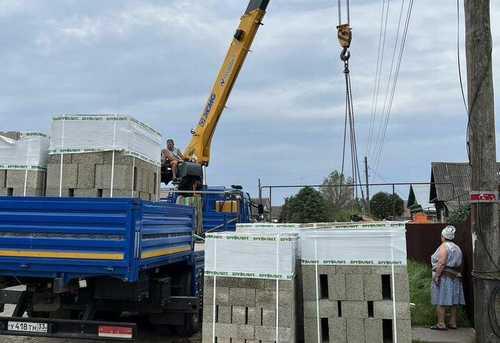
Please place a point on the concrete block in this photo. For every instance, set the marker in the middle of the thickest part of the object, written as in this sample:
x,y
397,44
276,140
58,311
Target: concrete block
x,y
354,309
15,178
239,315
222,296
309,289
53,171
354,287
3,178
223,313
123,178
337,286
253,316
327,309
265,298
388,270
268,317
249,283
338,330
355,269
56,159
242,296
402,290
310,330
286,318
245,331
103,176
355,331
384,310
286,297
92,158
372,284
70,175
263,333
373,331
86,176
404,331
19,192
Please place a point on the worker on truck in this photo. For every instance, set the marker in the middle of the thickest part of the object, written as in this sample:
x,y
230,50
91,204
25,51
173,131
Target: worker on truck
x,y
172,156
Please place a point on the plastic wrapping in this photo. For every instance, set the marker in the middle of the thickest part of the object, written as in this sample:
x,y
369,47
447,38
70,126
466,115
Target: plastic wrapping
x,y
355,246
250,255
73,134
30,152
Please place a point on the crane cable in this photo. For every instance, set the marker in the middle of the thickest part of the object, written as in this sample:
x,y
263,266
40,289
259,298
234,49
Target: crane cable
x,y
344,34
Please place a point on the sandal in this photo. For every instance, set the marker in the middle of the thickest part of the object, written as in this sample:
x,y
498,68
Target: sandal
x,y
438,328
452,327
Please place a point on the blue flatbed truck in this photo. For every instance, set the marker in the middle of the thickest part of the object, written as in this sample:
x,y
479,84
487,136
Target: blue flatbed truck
x,y
86,262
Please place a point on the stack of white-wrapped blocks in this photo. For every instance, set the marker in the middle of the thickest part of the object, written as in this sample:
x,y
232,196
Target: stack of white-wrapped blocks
x,y
249,288
355,284
352,286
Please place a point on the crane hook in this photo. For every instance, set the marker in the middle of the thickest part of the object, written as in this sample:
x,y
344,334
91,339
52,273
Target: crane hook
x,y
345,55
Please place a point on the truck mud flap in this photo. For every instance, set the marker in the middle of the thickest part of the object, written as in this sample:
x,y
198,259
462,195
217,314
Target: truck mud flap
x,y
62,328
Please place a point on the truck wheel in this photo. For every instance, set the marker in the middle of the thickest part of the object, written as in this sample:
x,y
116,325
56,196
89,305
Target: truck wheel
x,y
191,325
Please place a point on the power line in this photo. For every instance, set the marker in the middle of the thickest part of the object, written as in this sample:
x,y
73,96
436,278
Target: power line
x,y
395,81
380,61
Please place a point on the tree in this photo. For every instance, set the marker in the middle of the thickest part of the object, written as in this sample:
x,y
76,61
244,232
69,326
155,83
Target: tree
x,y
340,200
385,205
412,203
306,207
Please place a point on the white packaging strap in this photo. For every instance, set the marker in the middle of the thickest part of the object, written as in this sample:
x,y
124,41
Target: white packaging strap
x,y
112,186
394,315
277,285
61,168
132,182
215,294
317,291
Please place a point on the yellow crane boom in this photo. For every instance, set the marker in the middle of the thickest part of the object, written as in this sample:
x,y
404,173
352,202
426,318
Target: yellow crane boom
x,y
198,149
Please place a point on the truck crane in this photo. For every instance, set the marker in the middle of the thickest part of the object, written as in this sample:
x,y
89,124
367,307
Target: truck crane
x,y
197,153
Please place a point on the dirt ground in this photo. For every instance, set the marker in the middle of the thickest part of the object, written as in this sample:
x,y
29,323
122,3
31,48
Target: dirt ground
x,y
146,335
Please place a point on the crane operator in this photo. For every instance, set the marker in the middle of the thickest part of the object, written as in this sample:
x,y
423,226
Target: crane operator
x,y
172,156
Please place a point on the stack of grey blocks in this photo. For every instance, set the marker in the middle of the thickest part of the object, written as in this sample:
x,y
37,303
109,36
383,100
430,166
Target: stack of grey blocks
x,y
245,310
354,304
89,175
12,182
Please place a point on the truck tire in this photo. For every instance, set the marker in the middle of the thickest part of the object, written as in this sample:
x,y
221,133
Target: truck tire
x,y
192,325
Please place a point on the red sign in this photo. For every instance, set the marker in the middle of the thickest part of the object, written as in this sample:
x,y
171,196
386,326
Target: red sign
x,y
483,197
115,332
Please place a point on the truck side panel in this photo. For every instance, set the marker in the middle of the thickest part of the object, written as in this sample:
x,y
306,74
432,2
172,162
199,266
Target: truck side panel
x,y
166,235
65,238
72,238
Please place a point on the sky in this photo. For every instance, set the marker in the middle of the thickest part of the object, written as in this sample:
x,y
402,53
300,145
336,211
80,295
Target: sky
x,y
156,61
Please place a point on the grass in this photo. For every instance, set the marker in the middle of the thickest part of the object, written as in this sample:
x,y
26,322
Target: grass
x,y
423,313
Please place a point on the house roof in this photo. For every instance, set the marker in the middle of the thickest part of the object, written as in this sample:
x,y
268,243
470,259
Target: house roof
x,y
450,183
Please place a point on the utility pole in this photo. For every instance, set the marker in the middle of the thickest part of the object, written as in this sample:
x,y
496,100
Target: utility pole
x,y
484,197
367,187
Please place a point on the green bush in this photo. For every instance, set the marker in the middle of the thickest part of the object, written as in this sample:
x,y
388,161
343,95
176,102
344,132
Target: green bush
x,y
423,313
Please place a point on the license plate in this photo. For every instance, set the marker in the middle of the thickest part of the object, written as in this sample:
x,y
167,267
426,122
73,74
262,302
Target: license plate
x,y
28,327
